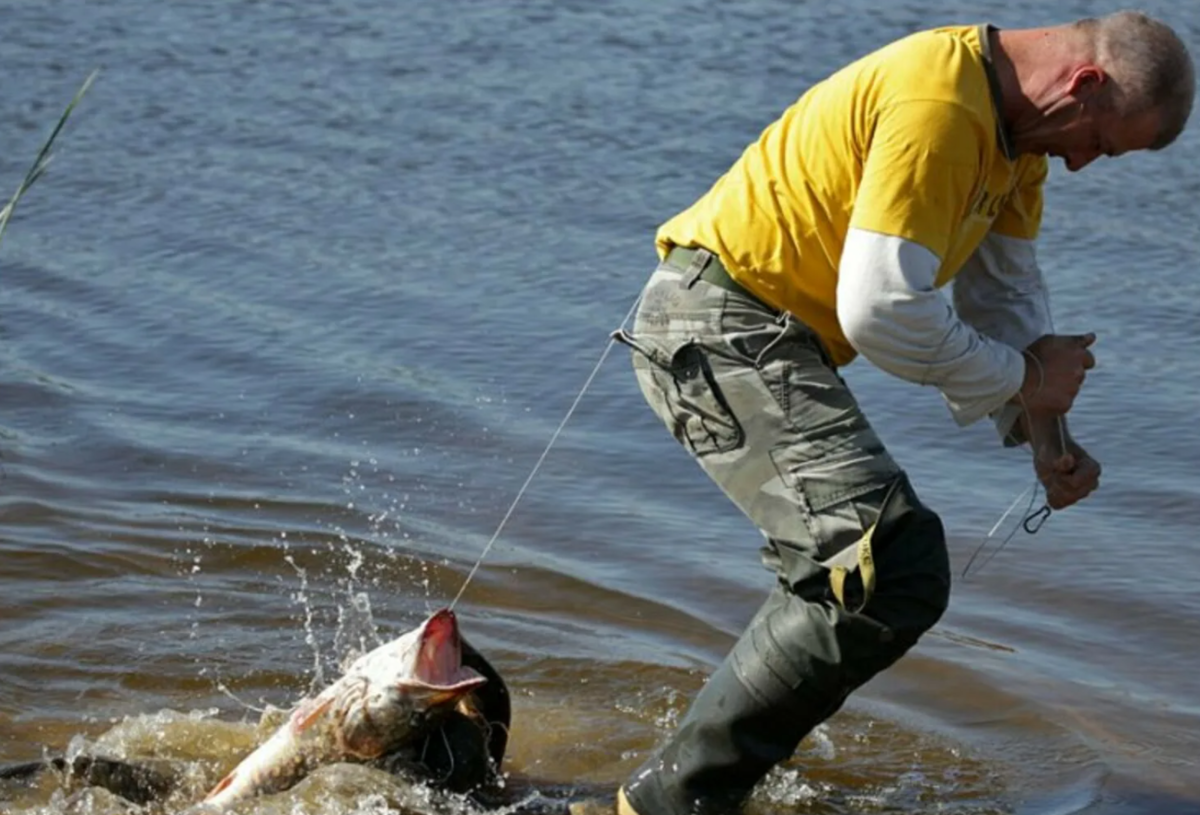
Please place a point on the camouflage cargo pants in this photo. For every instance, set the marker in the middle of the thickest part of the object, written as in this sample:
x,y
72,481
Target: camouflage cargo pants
x,y
753,396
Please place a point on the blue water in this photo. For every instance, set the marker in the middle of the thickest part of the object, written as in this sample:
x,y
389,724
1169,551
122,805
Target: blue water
x,y
308,288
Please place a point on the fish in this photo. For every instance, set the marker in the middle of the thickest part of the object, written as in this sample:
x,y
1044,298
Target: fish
x,y
390,697
426,707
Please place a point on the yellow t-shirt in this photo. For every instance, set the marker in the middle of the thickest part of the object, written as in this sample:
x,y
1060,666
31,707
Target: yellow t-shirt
x,y
904,142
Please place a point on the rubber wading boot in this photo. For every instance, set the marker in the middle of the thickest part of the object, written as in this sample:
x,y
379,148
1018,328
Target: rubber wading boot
x,y
602,806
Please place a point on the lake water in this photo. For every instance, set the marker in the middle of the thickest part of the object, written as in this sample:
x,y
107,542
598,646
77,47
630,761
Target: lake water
x,y
306,292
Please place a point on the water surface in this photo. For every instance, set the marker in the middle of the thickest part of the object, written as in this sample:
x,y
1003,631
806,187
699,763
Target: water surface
x,y
309,287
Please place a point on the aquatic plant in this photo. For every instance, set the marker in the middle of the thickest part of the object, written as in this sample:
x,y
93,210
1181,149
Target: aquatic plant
x,y
43,157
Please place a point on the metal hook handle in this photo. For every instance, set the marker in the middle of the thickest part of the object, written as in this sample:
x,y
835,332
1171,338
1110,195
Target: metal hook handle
x,y
1040,517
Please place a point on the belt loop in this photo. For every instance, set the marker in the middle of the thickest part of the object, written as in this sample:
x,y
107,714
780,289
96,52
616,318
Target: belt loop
x,y
699,261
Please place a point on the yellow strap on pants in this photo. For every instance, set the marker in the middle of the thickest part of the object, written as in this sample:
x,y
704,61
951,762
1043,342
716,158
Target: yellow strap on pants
x,y
865,561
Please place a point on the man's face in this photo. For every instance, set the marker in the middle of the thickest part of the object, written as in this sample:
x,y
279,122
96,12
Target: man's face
x,y
1076,122
1091,134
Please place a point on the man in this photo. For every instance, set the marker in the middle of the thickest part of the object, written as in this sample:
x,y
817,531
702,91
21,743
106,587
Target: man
x,y
831,237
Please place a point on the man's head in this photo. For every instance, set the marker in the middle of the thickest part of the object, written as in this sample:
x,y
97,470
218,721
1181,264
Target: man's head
x,y
1101,86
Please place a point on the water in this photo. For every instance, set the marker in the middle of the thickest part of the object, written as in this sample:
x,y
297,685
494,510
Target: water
x,y
309,286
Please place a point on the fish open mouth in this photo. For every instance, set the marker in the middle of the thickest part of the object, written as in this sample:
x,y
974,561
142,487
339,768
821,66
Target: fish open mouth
x,y
439,658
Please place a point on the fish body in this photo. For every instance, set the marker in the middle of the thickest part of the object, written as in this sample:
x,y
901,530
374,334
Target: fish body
x,y
387,698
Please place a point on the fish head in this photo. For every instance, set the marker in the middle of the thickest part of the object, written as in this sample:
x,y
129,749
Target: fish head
x,y
397,692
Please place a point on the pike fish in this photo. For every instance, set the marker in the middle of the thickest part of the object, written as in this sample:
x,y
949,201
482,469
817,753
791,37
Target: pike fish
x,y
386,699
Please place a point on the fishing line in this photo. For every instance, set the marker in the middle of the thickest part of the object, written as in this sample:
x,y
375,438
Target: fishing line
x,y
537,466
1040,515
1029,513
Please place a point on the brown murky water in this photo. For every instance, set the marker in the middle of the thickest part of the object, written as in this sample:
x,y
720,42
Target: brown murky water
x,y
306,292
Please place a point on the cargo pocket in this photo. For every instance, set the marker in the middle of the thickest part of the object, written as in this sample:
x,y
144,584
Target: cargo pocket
x,y
841,498
678,382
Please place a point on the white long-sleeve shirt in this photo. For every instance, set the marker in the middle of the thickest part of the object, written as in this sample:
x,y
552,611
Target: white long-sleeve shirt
x,y
969,347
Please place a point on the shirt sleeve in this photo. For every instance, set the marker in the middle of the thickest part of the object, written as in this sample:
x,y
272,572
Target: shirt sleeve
x,y
1000,292
892,313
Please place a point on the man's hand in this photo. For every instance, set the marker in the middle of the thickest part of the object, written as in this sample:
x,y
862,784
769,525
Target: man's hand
x,y
1068,477
1055,367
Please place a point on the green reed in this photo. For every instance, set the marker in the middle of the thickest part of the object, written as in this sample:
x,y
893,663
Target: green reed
x,y
43,157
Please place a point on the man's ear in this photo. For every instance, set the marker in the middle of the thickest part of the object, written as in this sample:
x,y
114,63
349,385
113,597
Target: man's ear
x,y
1086,81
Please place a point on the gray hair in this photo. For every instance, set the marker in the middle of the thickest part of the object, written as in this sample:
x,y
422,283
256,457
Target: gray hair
x,y
1150,68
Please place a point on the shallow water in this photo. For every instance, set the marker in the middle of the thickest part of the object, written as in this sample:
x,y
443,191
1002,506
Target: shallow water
x,y
306,292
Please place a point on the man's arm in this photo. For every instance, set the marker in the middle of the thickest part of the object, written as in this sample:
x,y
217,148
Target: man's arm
x,y
919,175
920,172
894,315
1000,291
